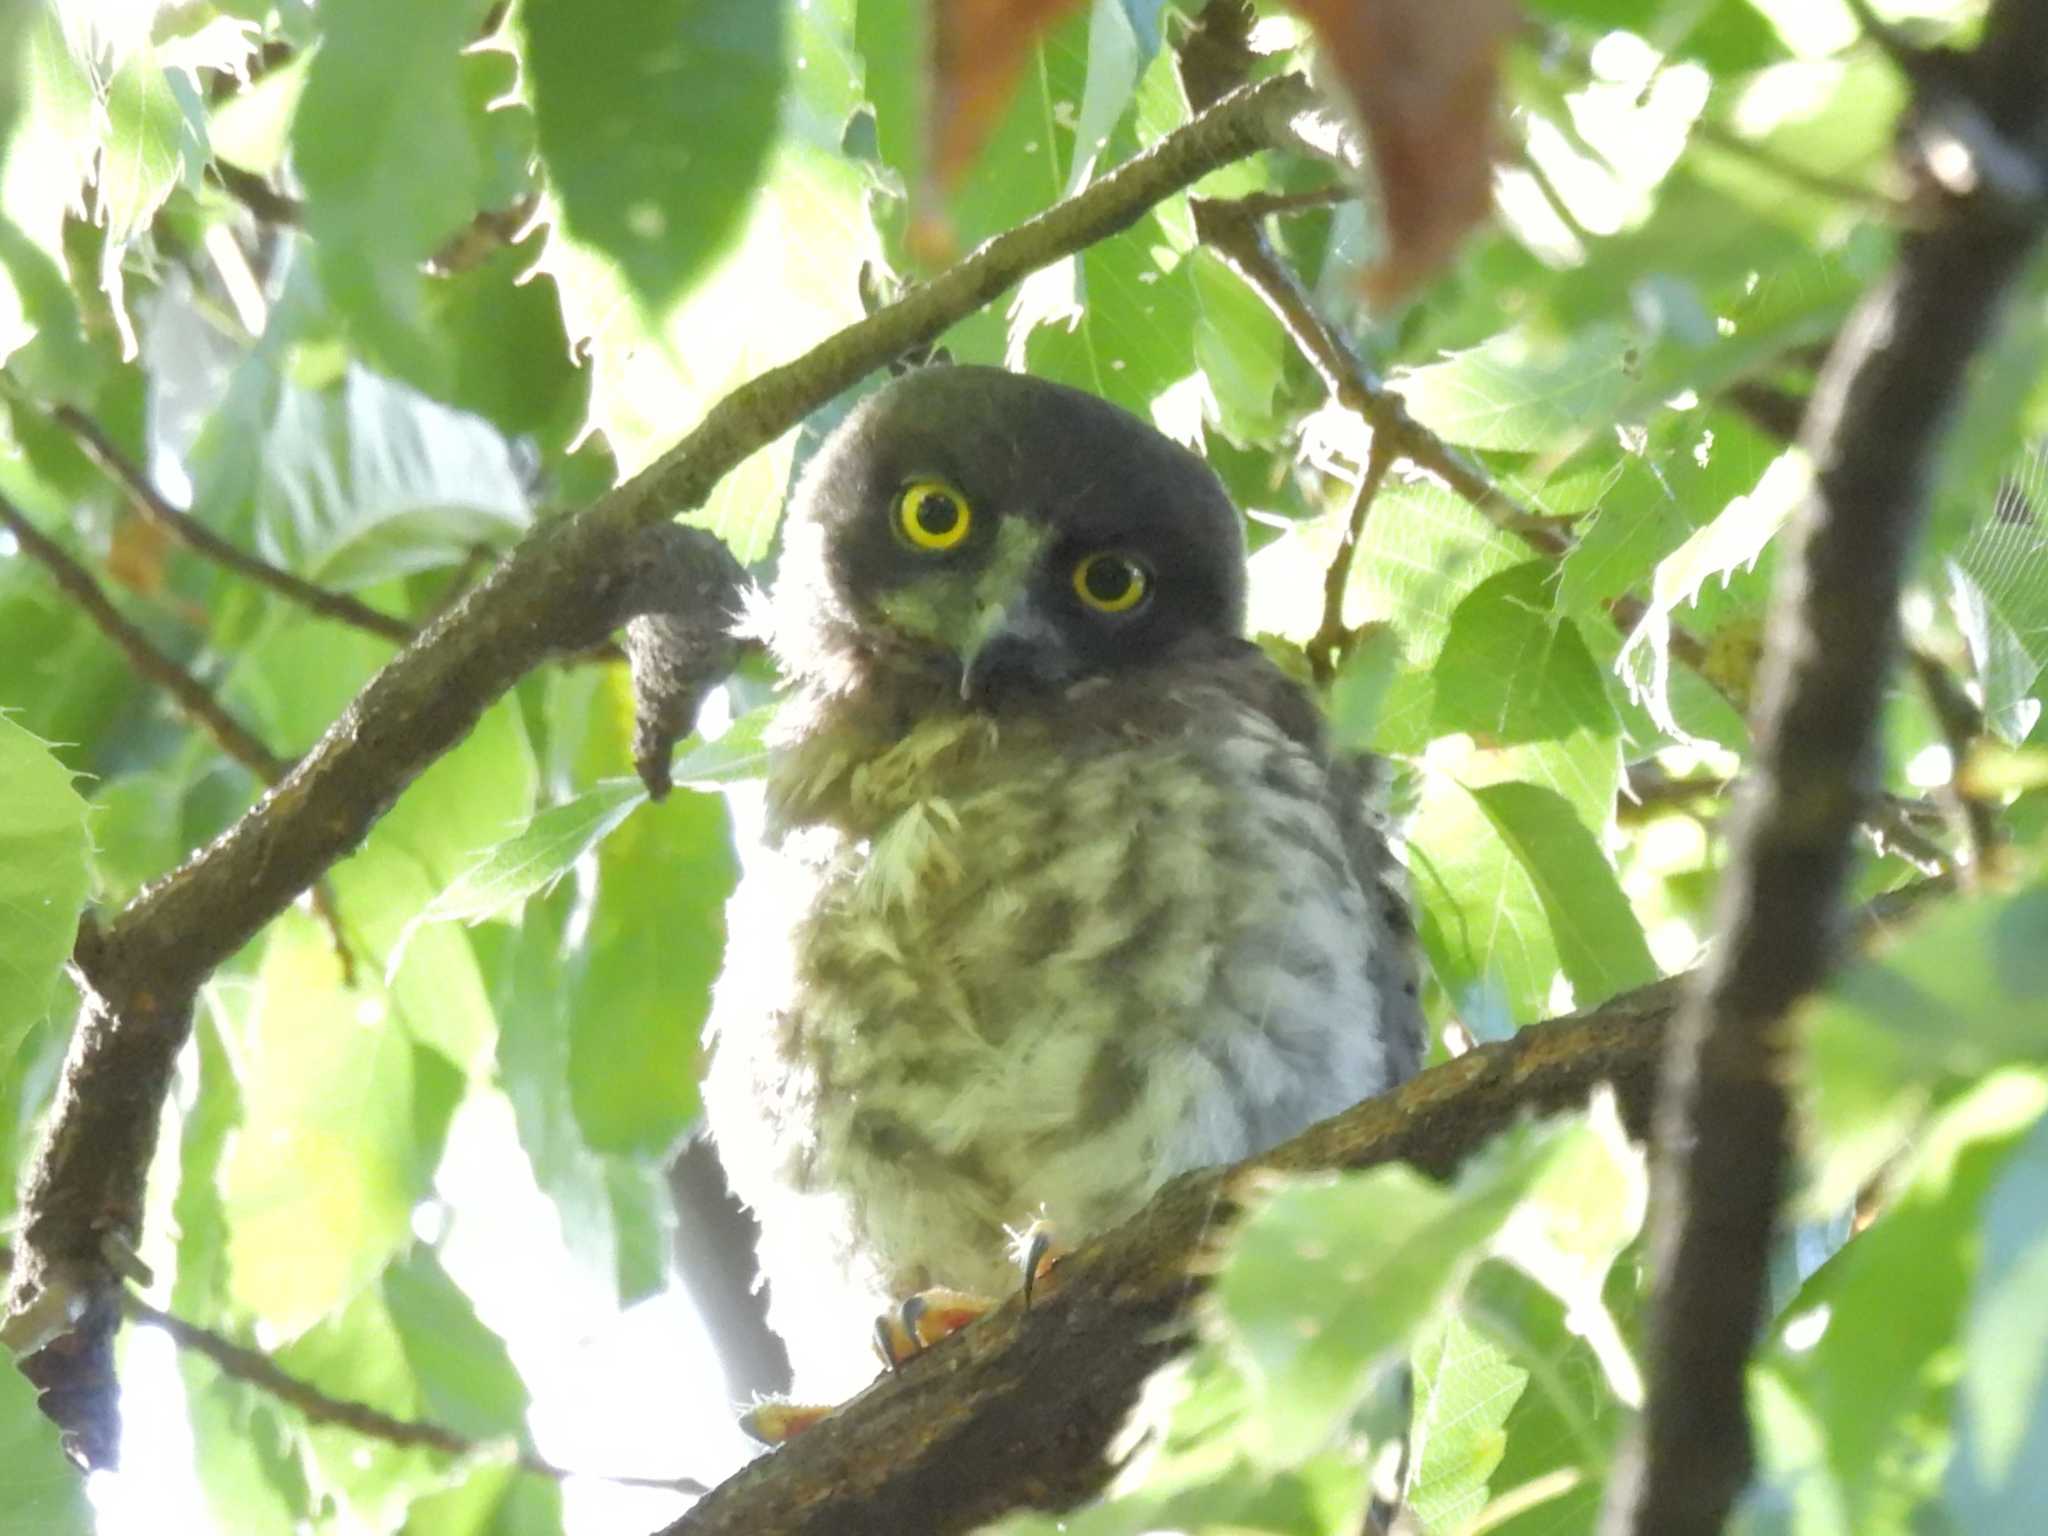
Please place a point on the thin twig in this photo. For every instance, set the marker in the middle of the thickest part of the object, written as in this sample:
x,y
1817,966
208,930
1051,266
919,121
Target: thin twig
x,y
1331,640
1835,188
1244,248
259,1370
1962,726
1259,205
190,531
192,697
1726,1108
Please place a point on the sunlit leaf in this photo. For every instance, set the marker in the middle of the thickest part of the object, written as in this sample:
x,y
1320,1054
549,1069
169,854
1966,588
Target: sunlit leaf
x,y
44,876
1514,670
1465,1388
383,97
656,124
40,1490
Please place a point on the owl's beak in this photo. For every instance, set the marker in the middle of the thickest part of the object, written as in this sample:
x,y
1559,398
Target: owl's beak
x,y
1013,647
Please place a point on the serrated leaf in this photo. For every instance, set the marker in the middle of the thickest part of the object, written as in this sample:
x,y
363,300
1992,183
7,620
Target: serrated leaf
x,y
1599,942
44,876
462,1372
1465,1388
1735,538
1889,1305
2002,1428
530,863
656,175
1519,394
1513,669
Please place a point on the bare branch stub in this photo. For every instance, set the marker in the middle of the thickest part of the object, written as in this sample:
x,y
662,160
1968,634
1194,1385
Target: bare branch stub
x,y
1723,1121
567,587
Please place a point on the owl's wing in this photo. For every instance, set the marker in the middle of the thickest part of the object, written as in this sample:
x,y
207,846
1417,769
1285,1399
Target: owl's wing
x,y
1357,793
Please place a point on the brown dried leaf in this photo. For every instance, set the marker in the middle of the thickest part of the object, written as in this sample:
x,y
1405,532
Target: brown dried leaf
x,y
1422,75
978,48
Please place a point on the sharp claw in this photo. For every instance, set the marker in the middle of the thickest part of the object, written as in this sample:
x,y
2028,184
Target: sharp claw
x,y
1038,1250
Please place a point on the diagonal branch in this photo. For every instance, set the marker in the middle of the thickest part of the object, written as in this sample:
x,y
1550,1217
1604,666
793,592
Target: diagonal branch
x,y
1018,1409
193,698
1242,244
1723,1124
568,585
195,535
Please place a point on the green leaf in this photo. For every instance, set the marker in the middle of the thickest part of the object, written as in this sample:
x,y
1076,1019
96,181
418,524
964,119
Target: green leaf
x,y
656,123
383,98
1889,1305
1465,1388
1518,393
2002,1429
55,132
1511,888
642,984
1599,942
1735,538
1334,1271
1514,670
359,1355
465,1379
40,1490
505,875
320,1182
44,876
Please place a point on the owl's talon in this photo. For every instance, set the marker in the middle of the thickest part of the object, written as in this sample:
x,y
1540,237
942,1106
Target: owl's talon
x,y
1038,1249
777,1423
923,1319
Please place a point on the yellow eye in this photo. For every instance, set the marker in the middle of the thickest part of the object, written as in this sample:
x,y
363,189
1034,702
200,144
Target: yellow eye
x,y
1111,583
933,516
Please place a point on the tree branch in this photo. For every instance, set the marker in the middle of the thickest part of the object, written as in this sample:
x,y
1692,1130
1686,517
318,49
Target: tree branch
x,y
193,698
1016,1410
569,584
195,535
1723,1122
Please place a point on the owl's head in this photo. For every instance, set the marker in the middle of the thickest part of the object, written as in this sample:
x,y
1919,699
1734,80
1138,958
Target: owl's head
x,y
1003,533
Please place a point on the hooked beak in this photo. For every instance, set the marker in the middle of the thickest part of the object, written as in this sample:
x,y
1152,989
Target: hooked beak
x,y
1012,647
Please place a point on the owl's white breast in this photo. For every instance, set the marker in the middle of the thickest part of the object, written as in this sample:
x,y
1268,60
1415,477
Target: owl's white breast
x,y
1030,980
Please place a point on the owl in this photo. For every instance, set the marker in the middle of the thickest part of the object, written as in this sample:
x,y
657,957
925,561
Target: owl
x,y
1063,892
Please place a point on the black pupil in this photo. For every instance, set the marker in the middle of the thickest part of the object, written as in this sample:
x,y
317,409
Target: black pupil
x,y
1110,580
937,513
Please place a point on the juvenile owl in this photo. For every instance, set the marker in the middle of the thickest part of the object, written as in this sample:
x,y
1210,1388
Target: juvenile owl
x,y
1065,892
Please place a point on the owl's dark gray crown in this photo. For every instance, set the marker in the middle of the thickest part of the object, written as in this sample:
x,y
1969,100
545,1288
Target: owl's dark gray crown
x,y
1045,478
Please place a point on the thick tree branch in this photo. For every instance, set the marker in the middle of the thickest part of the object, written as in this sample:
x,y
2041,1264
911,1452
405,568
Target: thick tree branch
x,y
1724,1120
569,584
1017,1409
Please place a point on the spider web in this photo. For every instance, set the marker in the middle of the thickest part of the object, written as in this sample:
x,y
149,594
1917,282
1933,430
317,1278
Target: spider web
x,y
1998,587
